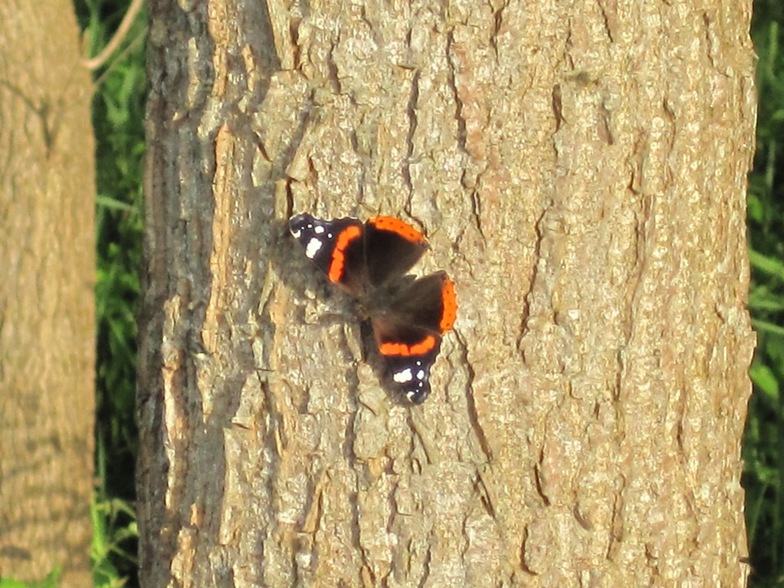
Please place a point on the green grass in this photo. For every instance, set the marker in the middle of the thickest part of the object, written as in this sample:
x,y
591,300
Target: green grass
x,y
118,115
51,581
763,448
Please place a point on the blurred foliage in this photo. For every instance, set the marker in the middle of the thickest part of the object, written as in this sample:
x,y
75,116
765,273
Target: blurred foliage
x,y
763,450
118,114
51,581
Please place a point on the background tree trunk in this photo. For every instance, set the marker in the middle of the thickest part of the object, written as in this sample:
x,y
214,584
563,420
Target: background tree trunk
x,y
581,174
47,273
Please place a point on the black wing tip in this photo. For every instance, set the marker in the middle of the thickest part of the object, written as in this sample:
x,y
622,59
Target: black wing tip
x,y
298,221
417,396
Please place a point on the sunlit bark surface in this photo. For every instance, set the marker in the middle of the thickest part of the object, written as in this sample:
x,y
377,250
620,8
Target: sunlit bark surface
x,y
581,174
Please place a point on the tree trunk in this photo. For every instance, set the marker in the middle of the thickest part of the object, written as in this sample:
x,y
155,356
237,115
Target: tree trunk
x,y
581,175
47,274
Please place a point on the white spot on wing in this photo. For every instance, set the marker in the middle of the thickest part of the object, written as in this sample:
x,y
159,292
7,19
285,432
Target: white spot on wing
x,y
420,375
312,248
318,229
403,376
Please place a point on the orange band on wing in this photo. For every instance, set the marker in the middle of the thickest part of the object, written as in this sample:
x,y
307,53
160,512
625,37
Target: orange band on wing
x,y
427,344
395,225
338,255
450,305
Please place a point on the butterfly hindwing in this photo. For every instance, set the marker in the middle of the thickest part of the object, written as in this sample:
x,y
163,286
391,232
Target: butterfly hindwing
x,y
394,247
427,302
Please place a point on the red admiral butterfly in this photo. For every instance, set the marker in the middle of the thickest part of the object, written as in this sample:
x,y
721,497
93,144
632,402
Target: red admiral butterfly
x,y
369,261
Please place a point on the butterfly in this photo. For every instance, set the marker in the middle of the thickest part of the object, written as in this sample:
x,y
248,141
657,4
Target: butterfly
x,y
369,261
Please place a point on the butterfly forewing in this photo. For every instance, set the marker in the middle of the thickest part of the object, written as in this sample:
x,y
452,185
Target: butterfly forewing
x,y
336,247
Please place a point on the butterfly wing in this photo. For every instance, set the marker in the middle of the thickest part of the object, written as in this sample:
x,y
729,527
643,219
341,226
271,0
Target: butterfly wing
x,y
408,315
336,247
392,247
410,370
408,331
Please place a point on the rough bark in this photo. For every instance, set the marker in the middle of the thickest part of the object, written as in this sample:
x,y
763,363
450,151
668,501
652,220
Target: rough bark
x,y
47,275
580,171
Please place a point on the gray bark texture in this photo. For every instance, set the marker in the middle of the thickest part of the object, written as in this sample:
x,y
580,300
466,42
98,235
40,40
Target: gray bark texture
x,y
580,171
47,280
